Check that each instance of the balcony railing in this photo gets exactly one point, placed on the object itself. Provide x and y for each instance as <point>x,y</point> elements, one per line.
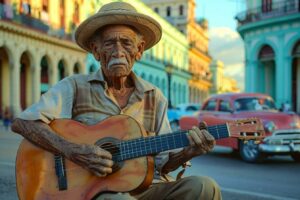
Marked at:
<point>10,14</point>
<point>278,9</point>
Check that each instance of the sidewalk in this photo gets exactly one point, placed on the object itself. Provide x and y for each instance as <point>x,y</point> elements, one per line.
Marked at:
<point>9,143</point>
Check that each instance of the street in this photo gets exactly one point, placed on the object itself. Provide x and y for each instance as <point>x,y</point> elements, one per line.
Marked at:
<point>275,179</point>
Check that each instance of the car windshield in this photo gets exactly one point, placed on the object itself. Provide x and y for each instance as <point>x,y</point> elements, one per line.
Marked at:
<point>254,104</point>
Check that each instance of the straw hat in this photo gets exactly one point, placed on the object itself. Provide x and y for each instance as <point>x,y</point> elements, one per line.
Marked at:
<point>118,13</point>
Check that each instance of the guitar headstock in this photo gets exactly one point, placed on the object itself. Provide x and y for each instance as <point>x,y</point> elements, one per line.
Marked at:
<point>246,129</point>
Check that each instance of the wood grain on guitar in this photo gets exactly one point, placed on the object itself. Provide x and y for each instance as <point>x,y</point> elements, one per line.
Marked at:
<point>42,175</point>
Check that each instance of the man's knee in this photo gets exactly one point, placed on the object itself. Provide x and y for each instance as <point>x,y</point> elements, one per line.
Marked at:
<point>115,196</point>
<point>202,186</point>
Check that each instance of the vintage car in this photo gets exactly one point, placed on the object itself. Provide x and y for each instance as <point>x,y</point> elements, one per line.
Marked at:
<point>174,114</point>
<point>282,129</point>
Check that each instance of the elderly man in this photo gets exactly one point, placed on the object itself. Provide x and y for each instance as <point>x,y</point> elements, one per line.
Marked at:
<point>117,36</point>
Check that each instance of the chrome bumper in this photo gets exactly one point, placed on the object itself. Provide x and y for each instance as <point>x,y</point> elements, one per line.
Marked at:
<point>267,148</point>
<point>282,141</point>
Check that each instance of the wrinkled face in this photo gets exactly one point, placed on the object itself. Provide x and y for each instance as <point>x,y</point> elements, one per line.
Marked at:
<point>117,47</point>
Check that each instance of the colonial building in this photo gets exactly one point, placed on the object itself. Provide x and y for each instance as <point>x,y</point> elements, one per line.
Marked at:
<point>166,64</point>
<point>271,32</point>
<point>35,49</point>
<point>181,13</point>
<point>221,83</point>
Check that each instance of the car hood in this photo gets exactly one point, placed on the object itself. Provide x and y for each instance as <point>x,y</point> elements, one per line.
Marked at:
<point>281,120</point>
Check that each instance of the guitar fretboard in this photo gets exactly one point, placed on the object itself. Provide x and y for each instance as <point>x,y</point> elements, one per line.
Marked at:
<point>155,144</point>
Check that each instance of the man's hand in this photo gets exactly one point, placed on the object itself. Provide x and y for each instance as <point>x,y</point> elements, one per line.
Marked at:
<point>91,157</point>
<point>201,141</point>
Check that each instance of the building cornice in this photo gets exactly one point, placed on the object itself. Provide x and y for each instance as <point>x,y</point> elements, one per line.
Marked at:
<point>37,35</point>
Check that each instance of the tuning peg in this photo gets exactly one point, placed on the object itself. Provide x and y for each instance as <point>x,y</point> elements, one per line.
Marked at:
<point>245,141</point>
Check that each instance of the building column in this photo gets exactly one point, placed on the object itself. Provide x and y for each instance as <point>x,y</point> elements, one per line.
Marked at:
<point>281,79</point>
<point>15,86</point>
<point>250,76</point>
<point>36,79</point>
<point>286,84</point>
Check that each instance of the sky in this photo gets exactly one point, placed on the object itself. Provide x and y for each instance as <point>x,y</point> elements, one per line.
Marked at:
<point>225,42</point>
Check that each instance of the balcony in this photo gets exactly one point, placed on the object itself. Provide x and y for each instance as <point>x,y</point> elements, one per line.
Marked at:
<point>279,9</point>
<point>10,14</point>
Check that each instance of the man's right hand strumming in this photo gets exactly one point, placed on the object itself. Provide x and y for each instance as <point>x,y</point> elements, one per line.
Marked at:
<point>90,157</point>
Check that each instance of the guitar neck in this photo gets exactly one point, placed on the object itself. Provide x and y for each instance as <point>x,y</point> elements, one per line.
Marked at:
<point>155,144</point>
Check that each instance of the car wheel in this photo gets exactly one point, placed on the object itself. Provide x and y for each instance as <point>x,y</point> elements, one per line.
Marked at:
<point>296,157</point>
<point>174,126</point>
<point>249,152</point>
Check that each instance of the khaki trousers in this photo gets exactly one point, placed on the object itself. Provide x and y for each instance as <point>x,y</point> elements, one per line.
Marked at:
<point>188,188</point>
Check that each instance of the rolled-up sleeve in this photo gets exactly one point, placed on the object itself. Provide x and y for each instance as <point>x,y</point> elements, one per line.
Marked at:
<point>56,103</point>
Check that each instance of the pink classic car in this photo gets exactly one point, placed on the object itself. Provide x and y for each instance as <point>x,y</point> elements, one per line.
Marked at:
<point>282,129</point>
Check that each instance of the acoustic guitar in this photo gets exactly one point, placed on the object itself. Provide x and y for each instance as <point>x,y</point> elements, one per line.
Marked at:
<point>42,175</point>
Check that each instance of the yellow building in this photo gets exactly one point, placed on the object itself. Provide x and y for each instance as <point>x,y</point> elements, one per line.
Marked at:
<point>181,13</point>
<point>36,47</point>
<point>221,83</point>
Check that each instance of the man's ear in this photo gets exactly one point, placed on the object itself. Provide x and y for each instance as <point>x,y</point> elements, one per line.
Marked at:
<point>141,47</point>
<point>94,48</point>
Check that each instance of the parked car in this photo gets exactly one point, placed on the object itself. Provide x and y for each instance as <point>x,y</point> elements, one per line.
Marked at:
<point>282,129</point>
<point>174,114</point>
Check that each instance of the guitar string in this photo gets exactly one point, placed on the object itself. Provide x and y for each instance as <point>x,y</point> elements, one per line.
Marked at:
<point>135,143</point>
<point>154,138</point>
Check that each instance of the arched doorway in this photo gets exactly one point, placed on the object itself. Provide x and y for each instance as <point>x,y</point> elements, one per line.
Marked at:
<point>25,81</point>
<point>266,71</point>
<point>44,75</point>
<point>61,70</point>
<point>76,69</point>
<point>92,69</point>
<point>4,80</point>
<point>296,78</point>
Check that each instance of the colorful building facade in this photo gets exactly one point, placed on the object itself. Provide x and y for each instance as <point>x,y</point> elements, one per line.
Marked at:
<point>271,32</point>
<point>36,49</point>
<point>181,14</point>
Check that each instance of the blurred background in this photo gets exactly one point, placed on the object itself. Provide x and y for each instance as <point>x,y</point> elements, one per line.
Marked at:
<point>208,48</point>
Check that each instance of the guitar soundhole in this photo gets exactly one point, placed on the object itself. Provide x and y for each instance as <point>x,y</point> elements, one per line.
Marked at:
<point>109,144</point>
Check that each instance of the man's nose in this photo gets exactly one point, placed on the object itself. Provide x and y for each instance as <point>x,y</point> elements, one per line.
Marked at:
<point>118,50</point>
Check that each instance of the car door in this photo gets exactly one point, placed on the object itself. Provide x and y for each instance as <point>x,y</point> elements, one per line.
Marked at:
<point>208,112</point>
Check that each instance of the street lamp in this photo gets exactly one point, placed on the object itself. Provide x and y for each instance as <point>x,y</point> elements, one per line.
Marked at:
<point>169,69</point>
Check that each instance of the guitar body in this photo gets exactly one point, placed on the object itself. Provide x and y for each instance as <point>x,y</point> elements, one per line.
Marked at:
<point>35,168</point>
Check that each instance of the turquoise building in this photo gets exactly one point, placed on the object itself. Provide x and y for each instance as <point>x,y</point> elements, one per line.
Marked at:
<point>166,64</point>
<point>271,32</point>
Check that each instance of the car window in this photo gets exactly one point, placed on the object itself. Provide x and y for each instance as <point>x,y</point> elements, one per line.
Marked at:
<point>224,106</point>
<point>192,108</point>
<point>210,105</point>
<point>254,104</point>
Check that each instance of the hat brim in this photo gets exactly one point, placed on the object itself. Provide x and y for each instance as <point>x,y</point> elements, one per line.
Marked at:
<point>147,27</point>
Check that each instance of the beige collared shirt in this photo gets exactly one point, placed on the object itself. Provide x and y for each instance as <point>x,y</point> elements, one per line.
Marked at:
<point>85,98</point>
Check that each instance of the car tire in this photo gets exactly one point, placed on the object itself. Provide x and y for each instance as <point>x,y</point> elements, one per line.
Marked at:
<point>296,157</point>
<point>249,152</point>
<point>174,126</point>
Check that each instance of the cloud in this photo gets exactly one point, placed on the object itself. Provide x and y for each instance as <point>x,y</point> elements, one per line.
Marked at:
<point>227,46</point>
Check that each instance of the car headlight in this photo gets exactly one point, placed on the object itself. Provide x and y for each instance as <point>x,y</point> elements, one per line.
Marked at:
<point>270,126</point>
<point>295,123</point>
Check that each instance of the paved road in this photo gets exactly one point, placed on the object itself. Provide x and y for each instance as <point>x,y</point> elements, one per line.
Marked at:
<point>276,179</point>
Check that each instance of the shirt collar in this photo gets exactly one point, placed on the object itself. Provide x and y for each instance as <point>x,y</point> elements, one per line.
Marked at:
<point>141,85</point>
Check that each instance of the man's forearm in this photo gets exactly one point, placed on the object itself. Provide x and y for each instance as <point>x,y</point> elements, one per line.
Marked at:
<point>40,134</point>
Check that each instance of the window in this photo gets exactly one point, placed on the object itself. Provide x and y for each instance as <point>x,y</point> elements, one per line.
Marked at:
<point>168,11</point>
<point>266,6</point>
<point>210,105</point>
<point>156,9</point>
<point>181,10</point>
<point>224,106</point>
